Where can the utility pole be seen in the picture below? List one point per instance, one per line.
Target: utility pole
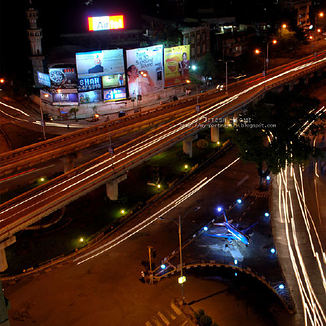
(150, 264)
(42, 119)
(180, 251)
(226, 77)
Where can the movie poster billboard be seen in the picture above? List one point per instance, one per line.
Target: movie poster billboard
(114, 94)
(63, 77)
(115, 80)
(43, 79)
(90, 97)
(65, 99)
(100, 63)
(176, 65)
(89, 84)
(145, 70)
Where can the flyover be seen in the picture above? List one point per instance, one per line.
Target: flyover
(28, 208)
(61, 146)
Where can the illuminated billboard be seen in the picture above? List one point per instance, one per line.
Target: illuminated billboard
(114, 94)
(89, 97)
(43, 79)
(89, 84)
(65, 99)
(100, 63)
(115, 80)
(105, 23)
(176, 65)
(63, 77)
(145, 70)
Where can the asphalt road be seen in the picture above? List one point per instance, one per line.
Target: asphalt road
(106, 289)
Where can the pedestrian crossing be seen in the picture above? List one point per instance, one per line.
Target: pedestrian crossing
(171, 316)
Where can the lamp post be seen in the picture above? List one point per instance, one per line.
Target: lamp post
(267, 53)
(42, 115)
(181, 268)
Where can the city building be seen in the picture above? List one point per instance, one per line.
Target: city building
(301, 8)
(35, 38)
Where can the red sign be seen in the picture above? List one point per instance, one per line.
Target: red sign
(105, 23)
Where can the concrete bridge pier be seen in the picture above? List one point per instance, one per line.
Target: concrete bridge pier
(112, 187)
(187, 145)
(215, 134)
(69, 162)
(3, 258)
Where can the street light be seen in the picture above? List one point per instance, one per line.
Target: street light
(274, 41)
(321, 14)
(284, 26)
(42, 115)
(2, 80)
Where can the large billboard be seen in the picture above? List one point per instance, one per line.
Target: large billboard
(145, 70)
(89, 84)
(65, 99)
(43, 79)
(176, 65)
(100, 63)
(63, 77)
(90, 97)
(115, 80)
(114, 94)
(105, 22)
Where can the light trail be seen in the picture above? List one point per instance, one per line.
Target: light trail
(160, 137)
(13, 108)
(163, 211)
(313, 311)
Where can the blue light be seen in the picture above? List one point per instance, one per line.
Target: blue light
(266, 214)
(163, 266)
(239, 201)
(205, 228)
(235, 274)
(281, 286)
(235, 262)
(219, 209)
(268, 178)
(273, 250)
(194, 67)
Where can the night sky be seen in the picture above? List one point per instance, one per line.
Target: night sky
(63, 16)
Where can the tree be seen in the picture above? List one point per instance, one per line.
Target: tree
(203, 319)
(207, 66)
(74, 111)
(270, 132)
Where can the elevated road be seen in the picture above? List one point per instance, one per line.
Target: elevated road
(31, 206)
(32, 155)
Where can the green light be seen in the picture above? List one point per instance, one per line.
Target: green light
(122, 211)
(81, 239)
(186, 166)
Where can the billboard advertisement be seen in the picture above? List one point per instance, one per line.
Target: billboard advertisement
(89, 97)
(115, 80)
(176, 65)
(145, 70)
(89, 84)
(63, 77)
(65, 99)
(100, 63)
(105, 23)
(114, 94)
(43, 79)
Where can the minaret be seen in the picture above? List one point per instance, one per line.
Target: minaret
(35, 38)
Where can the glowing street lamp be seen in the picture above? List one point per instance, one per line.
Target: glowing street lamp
(158, 186)
(321, 14)
(284, 26)
(186, 166)
(2, 80)
(193, 67)
(181, 279)
(318, 30)
(188, 81)
(81, 239)
(257, 51)
(122, 211)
